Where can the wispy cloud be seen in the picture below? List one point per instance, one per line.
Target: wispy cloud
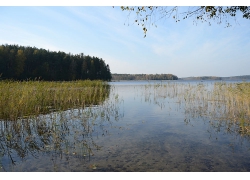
(180, 48)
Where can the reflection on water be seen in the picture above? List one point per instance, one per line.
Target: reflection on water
(142, 126)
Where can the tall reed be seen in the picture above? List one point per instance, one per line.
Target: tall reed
(65, 133)
(228, 102)
(30, 98)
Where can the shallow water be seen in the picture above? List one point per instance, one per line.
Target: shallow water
(141, 127)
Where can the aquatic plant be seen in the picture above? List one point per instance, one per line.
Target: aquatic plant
(60, 133)
(228, 102)
(21, 99)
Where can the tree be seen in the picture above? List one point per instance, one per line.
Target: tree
(84, 69)
(149, 15)
(19, 63)
(72, 69)
(108, 73)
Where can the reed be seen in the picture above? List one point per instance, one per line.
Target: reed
(220, 101)
(65, 133)
(31, 98)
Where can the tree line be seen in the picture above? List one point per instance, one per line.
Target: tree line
(118, 77)
(22, 63)
(244, 77)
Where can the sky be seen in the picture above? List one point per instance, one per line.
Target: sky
(184, 49)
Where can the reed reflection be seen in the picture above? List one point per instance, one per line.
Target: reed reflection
(59, 134)
(224, 104)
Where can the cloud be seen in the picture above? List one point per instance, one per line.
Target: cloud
(180, 48)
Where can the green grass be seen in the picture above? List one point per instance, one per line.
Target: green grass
(31, 98)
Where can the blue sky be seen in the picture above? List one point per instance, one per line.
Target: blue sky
(183, 49)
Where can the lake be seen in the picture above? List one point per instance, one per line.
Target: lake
(143, 126)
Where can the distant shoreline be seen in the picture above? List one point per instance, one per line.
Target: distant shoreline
(149, 77)
(145, 77)
(243, 77)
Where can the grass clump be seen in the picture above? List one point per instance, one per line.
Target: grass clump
(20, 99)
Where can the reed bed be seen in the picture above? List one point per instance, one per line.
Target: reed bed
(225, 102)
(31, 98)
(64, 133)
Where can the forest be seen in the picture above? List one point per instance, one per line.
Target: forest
(118, 77)
(23, 63)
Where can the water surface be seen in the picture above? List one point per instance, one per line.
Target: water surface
(142, 126)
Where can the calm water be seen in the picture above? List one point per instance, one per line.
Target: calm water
(141, 127)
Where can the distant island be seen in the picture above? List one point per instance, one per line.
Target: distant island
(118, 77)
(244, 77)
